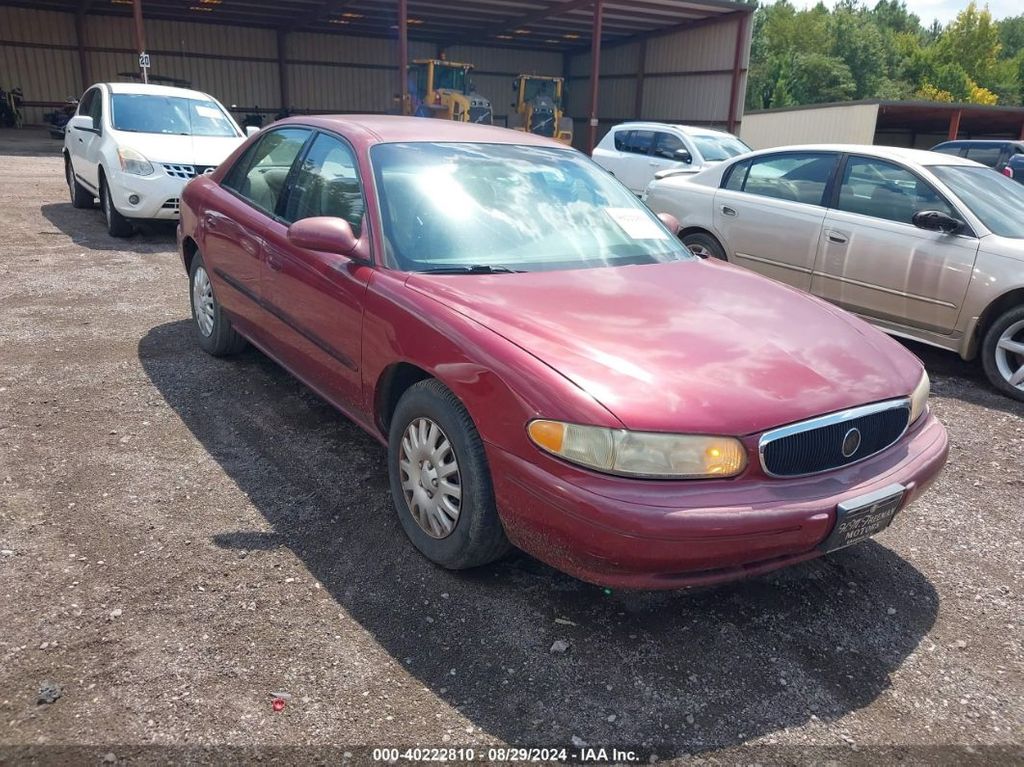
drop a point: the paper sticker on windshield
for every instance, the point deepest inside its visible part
(636, 223)
(210, 112)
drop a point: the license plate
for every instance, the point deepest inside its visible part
(862, 517)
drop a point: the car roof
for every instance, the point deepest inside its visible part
(689, 130)
(376, 129)
(156, 90)
(982, 141)
(900, 154)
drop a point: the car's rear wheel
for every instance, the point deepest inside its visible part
(213, 329)
(704, 245)
(117, 225)
(440, 480)
(1002, 353)
(80, 196)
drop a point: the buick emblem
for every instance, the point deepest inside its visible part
(851, 442)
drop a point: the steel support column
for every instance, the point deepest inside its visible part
(641, 70)
(282, 69)
(83, 60)
(737, 61)
(1021, 136)
(595, 73)
(403, 55)
(954, 124)
(140, 35)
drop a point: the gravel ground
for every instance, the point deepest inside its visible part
(183, 537)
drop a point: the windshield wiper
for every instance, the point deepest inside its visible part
(471, 269)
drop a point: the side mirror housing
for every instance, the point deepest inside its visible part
(251, 130)
(324, 233)
(671, 222)
(937, 221)
(82, 122)
(684, 156)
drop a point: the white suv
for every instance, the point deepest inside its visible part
(135, 147)
(634, 152)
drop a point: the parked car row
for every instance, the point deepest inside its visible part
(547, 363)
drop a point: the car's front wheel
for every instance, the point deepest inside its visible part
(213, 329)
(117, 225)
(440, 480)
(1002, 353)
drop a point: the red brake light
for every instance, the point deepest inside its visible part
(1008, 171)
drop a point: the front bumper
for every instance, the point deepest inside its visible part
(159, 195)
(710, 532)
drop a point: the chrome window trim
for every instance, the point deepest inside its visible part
(828, 420)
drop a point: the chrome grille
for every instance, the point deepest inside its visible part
(180, 171)
(172, 204)
(817, 445)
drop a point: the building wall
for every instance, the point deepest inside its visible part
(853, 124)
(687, 78)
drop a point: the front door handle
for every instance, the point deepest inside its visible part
(274, 264)
(836, 237)
(727, 211)
(211, 221)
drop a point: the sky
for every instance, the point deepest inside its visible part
(943, 10)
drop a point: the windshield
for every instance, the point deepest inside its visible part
(510, 208)
(991, 196)
(174, 115)
(452, 78)
(535, 88)
(717, 148)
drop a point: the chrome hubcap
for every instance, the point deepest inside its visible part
(430, 478)
(202, 301)
(1010, 355)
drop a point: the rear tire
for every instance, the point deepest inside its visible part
(427, 471)
(704, 245)
(1002, 353)
(213, 329)
(117, 225)
(80, 196)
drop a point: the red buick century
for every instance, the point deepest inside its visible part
(549, 367)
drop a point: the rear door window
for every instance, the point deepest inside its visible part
(622, 140)
(794, 176)
(986, 155)
(642, 142)
(260, 173)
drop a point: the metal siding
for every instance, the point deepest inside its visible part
(507, 60)
(324, 88)
(711, 46)
(701, 98)
(31, 26)
(853, 124)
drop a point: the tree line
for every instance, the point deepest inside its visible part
(855, 51)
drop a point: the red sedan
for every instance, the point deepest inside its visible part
(547, 364)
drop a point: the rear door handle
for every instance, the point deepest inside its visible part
(274, 264)
(836, 237)
(211, 221)
(727, 211)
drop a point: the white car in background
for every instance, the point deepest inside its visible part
(634, 152)
(135, 147)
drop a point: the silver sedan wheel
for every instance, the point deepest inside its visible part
(1010, 355)
(430, 478)
(202, 301)
(700, 250)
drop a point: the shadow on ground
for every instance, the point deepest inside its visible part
(674, 671)
(86, 227)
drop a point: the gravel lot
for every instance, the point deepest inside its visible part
(183, 537)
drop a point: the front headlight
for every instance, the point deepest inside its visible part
(640, 454)
(133, 162)
(919, 399)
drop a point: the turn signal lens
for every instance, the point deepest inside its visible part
(919, 398)
(640, 454)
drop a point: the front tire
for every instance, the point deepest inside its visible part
(1002, 353)
(213, 329)
(440, 480)
(704, 245)
(117, 225)
(80, 196)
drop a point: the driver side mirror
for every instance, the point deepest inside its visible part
(670, 221)
(683, 155)
(937, 221)
(82, 122)
(251, 130)
(324, 233)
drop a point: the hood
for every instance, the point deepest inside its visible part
(181, 150)
(692, 346)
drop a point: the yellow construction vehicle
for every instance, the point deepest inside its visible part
(539, 107)
(442, 89)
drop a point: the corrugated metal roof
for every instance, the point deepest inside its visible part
(539, 24)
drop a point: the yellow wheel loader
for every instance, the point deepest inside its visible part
(539, 107)
(442, 89)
